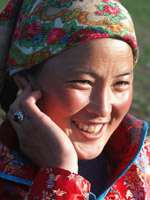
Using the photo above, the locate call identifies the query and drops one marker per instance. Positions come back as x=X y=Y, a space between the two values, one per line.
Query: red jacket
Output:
x=129 y=166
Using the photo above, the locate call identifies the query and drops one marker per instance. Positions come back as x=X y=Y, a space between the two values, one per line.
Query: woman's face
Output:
x=87 y=90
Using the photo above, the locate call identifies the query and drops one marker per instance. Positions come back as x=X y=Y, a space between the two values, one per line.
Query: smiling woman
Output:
x=74 y=63
x=66 y=78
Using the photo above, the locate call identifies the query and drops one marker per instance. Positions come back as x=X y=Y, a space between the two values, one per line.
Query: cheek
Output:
x=74 y=100
x=65 y=101
x=124 y=102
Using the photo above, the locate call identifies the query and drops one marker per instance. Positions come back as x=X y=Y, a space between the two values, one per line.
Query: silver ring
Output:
x=18 y=117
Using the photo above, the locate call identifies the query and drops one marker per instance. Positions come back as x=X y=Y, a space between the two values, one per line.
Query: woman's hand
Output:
x=40 y=139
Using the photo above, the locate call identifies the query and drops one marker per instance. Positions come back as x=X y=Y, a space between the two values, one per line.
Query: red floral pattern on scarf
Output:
x=111 y=10
x=37 y=32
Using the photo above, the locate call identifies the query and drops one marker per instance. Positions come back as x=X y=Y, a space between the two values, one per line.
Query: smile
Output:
x=88 y=128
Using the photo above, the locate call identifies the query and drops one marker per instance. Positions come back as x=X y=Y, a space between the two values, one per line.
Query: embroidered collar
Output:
x=122 y=149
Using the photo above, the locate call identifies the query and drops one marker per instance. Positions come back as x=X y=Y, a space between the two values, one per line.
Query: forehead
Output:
x=94 y=55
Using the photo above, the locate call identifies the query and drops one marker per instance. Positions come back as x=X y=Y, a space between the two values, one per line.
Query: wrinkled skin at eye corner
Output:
x=86 y=91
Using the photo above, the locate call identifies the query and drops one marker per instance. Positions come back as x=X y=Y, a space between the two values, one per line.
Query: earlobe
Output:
x=21 y=80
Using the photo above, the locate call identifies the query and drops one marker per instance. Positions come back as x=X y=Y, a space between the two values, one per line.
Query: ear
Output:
x=21 y=80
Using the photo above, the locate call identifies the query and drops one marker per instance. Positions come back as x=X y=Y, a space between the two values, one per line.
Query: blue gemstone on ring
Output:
x=18 y=117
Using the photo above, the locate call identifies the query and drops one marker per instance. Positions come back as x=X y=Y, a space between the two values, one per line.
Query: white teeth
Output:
x=97 y=128
x=89 y=129
x=79 y=125
x=85 y=127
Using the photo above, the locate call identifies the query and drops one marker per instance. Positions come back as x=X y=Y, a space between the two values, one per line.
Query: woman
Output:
x=69 y=127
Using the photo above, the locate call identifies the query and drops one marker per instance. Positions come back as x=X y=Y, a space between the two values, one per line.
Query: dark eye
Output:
x=81 y=81
x=80 y=84
x=121 y=85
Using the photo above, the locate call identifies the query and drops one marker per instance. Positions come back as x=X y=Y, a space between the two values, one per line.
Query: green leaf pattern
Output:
x=44 y=28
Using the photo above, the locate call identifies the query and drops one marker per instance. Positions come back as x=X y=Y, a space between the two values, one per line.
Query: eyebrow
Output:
x=125 y=74
x=81 y=70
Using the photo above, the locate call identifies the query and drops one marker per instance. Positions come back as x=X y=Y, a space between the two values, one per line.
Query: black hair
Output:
x=8 y=93
x=10 y=89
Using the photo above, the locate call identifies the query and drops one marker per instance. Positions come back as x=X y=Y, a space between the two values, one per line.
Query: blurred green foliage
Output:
x=139 y=11
x=2 y=4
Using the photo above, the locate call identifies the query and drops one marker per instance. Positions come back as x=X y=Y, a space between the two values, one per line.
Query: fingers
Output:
x=24 y=103
x=15 y=106
x=40 y=138
x=29 y=104
x=26 y=96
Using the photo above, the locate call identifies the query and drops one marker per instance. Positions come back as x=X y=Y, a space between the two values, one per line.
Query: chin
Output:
x=87 y=156
x=88 y=153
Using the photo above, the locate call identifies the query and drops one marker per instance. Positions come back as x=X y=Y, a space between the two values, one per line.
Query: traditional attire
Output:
x=32 y=31
x=128 y=169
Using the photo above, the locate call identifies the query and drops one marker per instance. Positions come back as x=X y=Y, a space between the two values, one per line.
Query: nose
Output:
x=100 y=102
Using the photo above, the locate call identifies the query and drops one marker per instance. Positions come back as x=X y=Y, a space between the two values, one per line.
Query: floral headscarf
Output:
x=32 y=31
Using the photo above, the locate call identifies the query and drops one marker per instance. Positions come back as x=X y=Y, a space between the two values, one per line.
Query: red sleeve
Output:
x=55 y=183
x=49 y=183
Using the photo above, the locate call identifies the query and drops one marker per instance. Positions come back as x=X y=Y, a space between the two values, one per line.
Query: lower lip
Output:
x=90 y=136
